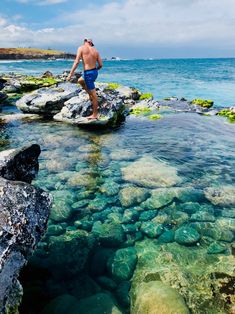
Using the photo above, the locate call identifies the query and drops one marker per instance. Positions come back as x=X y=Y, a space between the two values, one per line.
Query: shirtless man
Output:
x=90 y=57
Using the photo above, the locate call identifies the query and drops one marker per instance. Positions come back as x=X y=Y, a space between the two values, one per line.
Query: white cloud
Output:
x=137 y=23
x=41 y=2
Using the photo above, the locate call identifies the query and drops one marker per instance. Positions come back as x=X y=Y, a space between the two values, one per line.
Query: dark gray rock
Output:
x=23 y=218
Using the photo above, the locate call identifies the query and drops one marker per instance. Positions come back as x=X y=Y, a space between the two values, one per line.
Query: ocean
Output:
x=189 y=78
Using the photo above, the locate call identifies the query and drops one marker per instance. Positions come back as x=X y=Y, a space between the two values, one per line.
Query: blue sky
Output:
x=126 y=28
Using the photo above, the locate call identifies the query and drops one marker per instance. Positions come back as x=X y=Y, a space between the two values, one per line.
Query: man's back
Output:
x=89 y=57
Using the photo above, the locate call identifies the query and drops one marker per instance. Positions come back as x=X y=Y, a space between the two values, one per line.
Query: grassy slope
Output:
x=29 y=51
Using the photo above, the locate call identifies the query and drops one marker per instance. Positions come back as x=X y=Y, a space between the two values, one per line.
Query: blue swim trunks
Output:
x=89 y=77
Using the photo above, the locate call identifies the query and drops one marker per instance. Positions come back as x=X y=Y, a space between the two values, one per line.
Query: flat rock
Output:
x=150 y=172
x=132 y=195
x=47 y=101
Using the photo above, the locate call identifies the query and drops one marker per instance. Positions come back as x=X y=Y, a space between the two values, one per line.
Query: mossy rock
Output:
x=187 y=236
x=228 y=113
x=140 y=110
x=112 y=86
x=146 y=96
x=154 y=117
x=203 y=103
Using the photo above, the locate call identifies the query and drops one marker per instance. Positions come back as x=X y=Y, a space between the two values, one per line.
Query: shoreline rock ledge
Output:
x=24 y=211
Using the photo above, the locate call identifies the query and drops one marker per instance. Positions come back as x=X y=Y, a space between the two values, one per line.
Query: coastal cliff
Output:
x=23 y=219
x=33 y=53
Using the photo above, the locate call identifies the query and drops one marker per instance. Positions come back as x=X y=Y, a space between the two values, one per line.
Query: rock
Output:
x=132 y=195
x=108 y=234
x=7 y=118
x=207 y=229
x=60 y=305
x=216 y=248
x=122 y=154
x=3 y=96
x=203 y=103
x=151 y=173
x=159 y=198
x=226 y=223
x=99 y=303
x=20 y=164
x=23 y=218
x=106 y=283
x=47 y=74
x=167 y=236
x=222 y=196
x=61 y=208
x=76 y=109
x=122 y=293
x=98 y=264
x=187 y=236
x=47 y=101
x=78 y=243
x=122 y=265
x=110 y=188
x=202 y=216
x=130 y=215
x=152 y=229
x=54 y=230
x=80 y=179
x=157 y=297
x=148 y=215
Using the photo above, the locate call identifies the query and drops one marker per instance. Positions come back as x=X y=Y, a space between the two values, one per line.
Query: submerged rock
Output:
x=132 y=195
x=187 y=236
x=222 y=196
x=150 y=172
x=122 y=265
x=23 y=219
x=109 y=234
x=157 y=297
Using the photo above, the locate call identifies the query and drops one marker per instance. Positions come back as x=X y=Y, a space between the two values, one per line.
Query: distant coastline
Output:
x=33 y=53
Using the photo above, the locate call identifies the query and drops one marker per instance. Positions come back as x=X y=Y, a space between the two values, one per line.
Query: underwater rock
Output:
x=132 y=195
x=108 y=234
x=7 y=118
x=61 y=209
x=110 y=188
x=216 y=248
x=23 y=218
x=3 y=96
x=148 y=215
x=157 y=297
x=226 y=223
x=99 y=260
x=99 y=303
x=202 y=216
x=151 y=173
x=122 y=154
x=60 y=305
x=222 y=196
x=152 y=229
x=160 y=198
x=130 y=215
x=68 y=253
x=187 y=236
x=47 y=101
x=82 y=180
x=122 y=293
x=122 y=265
x=76 y=109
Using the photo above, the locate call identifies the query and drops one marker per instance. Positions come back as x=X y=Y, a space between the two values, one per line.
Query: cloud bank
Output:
x=140 y=24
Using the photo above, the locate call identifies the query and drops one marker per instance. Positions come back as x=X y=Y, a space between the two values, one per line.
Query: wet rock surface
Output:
x=23 y=218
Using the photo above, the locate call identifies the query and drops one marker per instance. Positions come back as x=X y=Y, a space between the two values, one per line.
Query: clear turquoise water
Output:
x=190 y=78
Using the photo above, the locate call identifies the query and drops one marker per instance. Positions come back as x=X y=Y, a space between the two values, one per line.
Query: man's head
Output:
x=89 y=41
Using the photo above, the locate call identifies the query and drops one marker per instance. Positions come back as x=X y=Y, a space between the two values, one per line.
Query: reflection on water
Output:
x=148 y=200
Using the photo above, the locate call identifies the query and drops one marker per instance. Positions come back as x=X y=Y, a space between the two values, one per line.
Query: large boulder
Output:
x=150 y=172
x=47 y=101
x=23 y=218
x=76 y=109
x=222 y=196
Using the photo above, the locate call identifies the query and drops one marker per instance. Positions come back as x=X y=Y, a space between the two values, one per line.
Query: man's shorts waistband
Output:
x=90 y=70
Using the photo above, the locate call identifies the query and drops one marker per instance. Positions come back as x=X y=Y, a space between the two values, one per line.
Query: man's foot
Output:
x=93 y=117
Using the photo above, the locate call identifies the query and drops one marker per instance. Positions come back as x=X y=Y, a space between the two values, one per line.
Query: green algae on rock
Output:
x=146 y=96
x=132 y=195
x=203 y=103
x=154 y=117
x=229 y=113
x=187 y=236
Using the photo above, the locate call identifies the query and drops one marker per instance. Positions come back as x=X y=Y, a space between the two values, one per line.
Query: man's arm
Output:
x=99 y=60
x=76 y=63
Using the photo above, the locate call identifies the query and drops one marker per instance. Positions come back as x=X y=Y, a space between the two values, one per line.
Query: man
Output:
x=90 y=57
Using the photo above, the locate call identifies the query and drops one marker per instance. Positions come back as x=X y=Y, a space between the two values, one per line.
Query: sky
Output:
x=124 y=28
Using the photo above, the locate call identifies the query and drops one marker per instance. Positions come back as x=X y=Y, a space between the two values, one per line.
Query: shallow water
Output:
x=190 y=78
x=201 y=149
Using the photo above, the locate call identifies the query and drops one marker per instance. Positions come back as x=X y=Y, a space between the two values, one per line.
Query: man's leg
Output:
x=94 y=101
x=83 y=84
